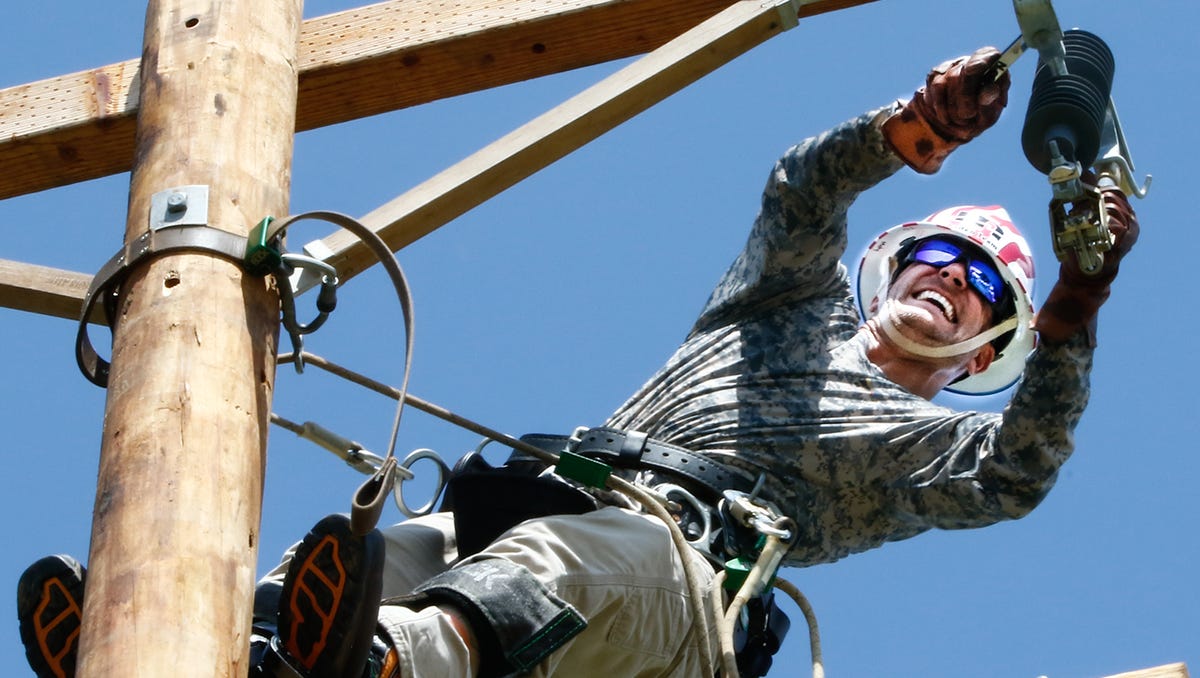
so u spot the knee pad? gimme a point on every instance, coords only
(517, 621)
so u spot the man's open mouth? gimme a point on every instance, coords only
(941, 302)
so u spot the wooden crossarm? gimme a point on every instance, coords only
(352, 64)
(450, 193)
(1166, 671)
(560, 131)
(41, 289)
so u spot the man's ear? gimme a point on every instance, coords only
(981, 360)
(873, 308)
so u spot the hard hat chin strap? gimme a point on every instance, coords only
(891, 327)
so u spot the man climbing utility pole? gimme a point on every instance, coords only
(178, 501)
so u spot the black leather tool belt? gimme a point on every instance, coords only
(634, 450)
(488, 500)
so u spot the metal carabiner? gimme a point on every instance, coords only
(772, 528)
(761, 515)
(326, 298)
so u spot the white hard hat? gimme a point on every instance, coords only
(992, 231)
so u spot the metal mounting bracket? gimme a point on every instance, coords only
(179, 206)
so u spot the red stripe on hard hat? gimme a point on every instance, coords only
(1013, 254)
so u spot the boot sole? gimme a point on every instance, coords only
(330, 600)
(50, 611)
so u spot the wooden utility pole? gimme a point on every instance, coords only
(216, 99)
(178, 504)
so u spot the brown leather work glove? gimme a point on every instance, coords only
(959, 101)
(1076, 298)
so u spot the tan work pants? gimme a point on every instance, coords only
(618, 568)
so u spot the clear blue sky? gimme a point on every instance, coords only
(1098, 580)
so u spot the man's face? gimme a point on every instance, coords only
(936, 306)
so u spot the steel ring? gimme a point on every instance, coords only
(443, 474)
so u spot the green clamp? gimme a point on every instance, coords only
(590, 472)
(262, 257)
(737, 571)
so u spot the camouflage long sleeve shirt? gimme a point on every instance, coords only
(774, 377)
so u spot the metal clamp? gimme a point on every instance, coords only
(176, 224)
(178, 221)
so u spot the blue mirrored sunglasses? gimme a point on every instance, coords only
(981, 274)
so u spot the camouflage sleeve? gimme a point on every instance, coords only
(1001, 466)
(799, 235)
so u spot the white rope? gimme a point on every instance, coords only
(766, 564)
(891, 327)
(814, 635)
(695, 582)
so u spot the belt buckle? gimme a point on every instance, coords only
(576, 437)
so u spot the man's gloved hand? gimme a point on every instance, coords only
(1076, 298)
(959, 101)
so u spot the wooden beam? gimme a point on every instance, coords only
(396, 54)
(556, 133)
(67, 129)
(352, 64)
(455, 190)
(41, 289)
(1166, 671)
(175, 528)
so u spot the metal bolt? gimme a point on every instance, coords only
(177, 202)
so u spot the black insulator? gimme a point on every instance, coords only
(1069, 109)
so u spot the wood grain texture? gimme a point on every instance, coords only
(179, 491)
(353, 64)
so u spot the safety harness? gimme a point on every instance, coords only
(716, 507)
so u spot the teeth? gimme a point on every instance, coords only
(940, 301)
